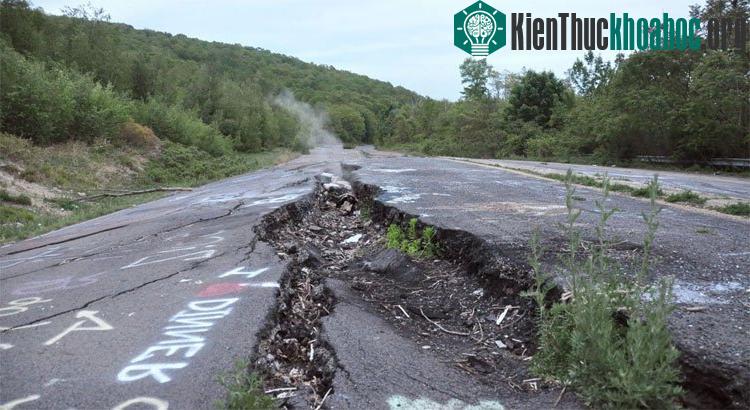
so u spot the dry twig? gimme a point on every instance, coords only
(442, 328)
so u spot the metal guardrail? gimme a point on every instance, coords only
(715, 162)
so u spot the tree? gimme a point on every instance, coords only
(474, 76)
(590, 75)
(534, 98)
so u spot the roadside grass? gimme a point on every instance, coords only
(607, 338)
(686, 196)
(739, 208)
(16, 199)
(410, 241)
(244, 390)
(18, 223)
(66, 172)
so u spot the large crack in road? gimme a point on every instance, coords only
(267, 264)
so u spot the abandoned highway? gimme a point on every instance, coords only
(146, 307)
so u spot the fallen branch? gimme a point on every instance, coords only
(126, 193)
(324, 399)
(442, 328)
(560, 396)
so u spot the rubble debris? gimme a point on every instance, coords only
(436, 303)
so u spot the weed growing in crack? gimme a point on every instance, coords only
(244, 390)
(411, 242)
(608, 337)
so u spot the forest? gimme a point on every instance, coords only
(80, 77)
(691, 106)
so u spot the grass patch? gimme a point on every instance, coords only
(608, 339)
(78, 167)
(244, 390)
(412, 242)
(646, 191)
(19, 223)
(687, 196)
(16, 199)
(739, 208)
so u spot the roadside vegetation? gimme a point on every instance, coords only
(656, 103)
(88, 106)
(56, 180)
(607, 337)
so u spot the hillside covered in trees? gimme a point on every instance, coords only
(80, 77)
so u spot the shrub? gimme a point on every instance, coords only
(610, 340)
(49, 103)
(138, 135)
(178, 125)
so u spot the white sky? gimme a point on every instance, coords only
(408, 43)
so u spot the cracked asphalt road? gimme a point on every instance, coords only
(143, 308)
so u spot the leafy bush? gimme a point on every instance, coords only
(48, 103)
(178, 125)
(608, 339)
(138, 135)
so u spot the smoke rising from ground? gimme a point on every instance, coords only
(312, 121)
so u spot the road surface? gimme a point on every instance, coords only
(711, 186)
(143, 308)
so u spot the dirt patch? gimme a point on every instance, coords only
(448, 305)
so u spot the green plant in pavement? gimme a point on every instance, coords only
(244, 390)
(412, 242)
(608, 339)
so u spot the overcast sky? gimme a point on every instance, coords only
(408, 43)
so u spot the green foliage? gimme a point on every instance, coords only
(48, 103)
(176, 124)
(475, 74)
(686, 196)
(412, 242)
(16, 199)
(244, 390)
(535, 96)
(645, 191)
(591, 74)
(13, 215)
(187, 165)
(610, 340)
(739, 208)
